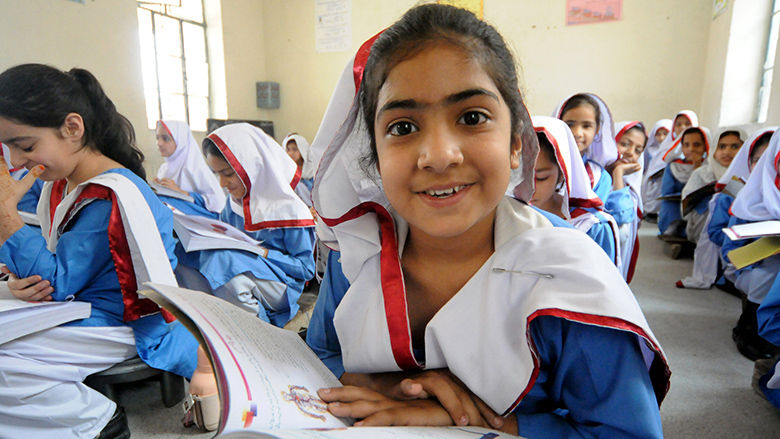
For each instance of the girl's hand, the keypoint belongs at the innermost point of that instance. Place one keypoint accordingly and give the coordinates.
(11, 191)
(170, 184)
(375, 409)
(30, 289)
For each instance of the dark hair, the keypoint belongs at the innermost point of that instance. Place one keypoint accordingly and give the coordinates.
(579, 100)
(692, 130)
(545, 147)
(425, 24)
(209, 147)
(761, 141)
(639, 127)
(42, 96)
(730, 133)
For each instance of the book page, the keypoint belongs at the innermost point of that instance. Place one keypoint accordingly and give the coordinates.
(377, 433)
(753, 230)
(19, 318)
(162, 190)
(755, 251)
(268, 376)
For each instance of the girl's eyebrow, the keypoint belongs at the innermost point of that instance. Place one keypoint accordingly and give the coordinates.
(15, 139)
(454, 98)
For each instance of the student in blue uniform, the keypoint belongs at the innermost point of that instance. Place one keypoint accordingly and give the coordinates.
(444, 273)
(695, 146)
(260, 179)
(298, 148)
(759, 200)
(768, 317)
(563, 189)
(591, 124)
(65, 130)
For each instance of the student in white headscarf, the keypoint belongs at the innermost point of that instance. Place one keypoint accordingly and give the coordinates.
(185, 169)
(651, 184)
(660, 131)
(759, 200)
(298, 149)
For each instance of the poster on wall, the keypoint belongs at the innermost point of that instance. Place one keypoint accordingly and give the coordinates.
(333, 25)
(592, 11)
(718, 7)
(475, 6)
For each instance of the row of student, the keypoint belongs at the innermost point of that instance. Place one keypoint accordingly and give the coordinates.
(432, 231)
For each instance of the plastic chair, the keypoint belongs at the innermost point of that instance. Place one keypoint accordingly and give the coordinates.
(132, 370)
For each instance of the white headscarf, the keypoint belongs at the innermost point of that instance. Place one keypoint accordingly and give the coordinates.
(670, 147)
(307, 171)
(577, 191)
(634, 179)
(760, 198)
(5, 154)
(268, 174)
(739, 169)
(602, 150)
(187, 167)
(680, 167)
(653, 146)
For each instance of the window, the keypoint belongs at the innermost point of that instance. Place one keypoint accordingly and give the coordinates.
(174, 61)
(769, 63)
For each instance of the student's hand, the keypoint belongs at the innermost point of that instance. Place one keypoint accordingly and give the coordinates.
(30, 289)
(170, 184)
(375, 409)
(463, 407)
(11, 191)
(697, 161)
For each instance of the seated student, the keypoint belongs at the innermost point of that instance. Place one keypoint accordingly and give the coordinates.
(297, 148)
(695, 145)
(436, 239)
(185, 170)
(697, 196)
(653, 176)
(759, 200)
(591, 124)
(260, 178)
(624, 203)
(768, 319)
(563, 189)
(65, 130)
(657, 136)
(29, 202)
(727, 188)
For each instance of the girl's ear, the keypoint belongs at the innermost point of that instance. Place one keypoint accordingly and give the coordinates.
(73, 127)
(515, 149)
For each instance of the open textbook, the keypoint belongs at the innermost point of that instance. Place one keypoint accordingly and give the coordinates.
(162, 190)
(201, 233)
(19, 318)
(268, 377)
(753, 230)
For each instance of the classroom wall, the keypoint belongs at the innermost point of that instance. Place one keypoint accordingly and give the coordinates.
(100, 36)
(647, 66)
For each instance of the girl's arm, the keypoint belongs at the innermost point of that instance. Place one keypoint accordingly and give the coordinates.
(297, 259)
(593, 382)
(719, 218)
(603, 235)
(81, 253)
(621, 205)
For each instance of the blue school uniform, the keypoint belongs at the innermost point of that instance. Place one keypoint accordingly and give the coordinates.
(614, 385)
(603, 186)
(670, 210)
(601, 232)
(290, 261)
(719, 218)
(621, 205)
(83, 269)
(29, 202)
(768, 316)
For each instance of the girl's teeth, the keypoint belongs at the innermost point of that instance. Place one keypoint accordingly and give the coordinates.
(444, 192)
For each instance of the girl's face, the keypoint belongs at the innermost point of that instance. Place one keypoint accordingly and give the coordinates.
(727, 149)
(445, 149)
(693, 147)
(59, 150)
(582, 122)
(660, 135)
(681, 123)
(547, 174)
(228, 178)
(294, 153)
(758, 151)
(630, 146)
(165, 142)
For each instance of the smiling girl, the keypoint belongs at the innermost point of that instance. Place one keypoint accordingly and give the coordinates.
(446, 276)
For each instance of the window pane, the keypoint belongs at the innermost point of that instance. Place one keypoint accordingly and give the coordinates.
(152, 107)
(763, 96)
(190, 10)
(772, 43)
(194, 42)
(171, 76)
(167, 35)
(199, 112)
(148, 66)
(173, 107)
(198, 79)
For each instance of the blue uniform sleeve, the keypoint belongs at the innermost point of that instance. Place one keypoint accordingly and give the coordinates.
(719, 218)
(198, 199)
(29, 202)
(669, 211)
(593, 382)
(669, 184)
(729, 244)
(604, 186)
(297, 259)
(321, 335)
(604, 236)
(769, 314)
(620, 204)
(81, 253)
(554, 219)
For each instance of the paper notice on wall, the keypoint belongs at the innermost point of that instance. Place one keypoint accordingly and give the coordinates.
(592, 11)
(333, 25)
(719, 7)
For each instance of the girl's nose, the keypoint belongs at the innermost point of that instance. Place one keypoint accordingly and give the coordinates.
(440, 150)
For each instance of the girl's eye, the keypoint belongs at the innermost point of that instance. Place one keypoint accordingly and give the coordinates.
(542, 178)
(472, 118)
(401, 128)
